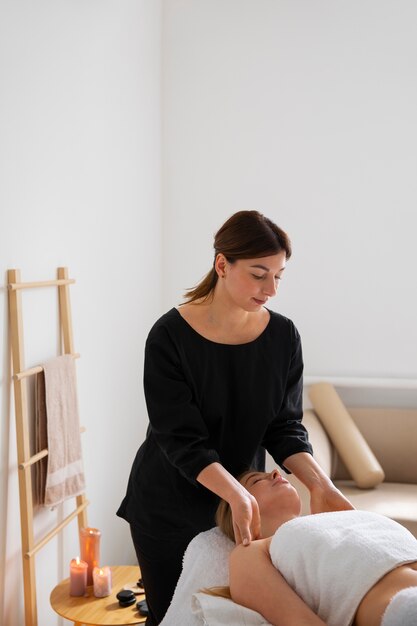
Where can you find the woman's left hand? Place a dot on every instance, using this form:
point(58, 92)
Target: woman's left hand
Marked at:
point(324, 499)
point(324, 496)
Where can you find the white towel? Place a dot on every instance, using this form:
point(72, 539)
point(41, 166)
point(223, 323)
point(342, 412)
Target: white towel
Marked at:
point(58, 429)
point(217, 611)
point(332, 559)
point(402, 610)
point(205, 564)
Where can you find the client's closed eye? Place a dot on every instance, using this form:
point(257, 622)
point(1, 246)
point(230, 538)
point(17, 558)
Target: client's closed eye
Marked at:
point(258, 479)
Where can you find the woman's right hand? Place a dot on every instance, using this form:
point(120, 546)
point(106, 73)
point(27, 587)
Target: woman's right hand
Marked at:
point(246, 517)
point(244, 508)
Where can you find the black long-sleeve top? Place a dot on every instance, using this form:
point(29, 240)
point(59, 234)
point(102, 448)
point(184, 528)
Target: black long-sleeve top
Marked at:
point(211, 402)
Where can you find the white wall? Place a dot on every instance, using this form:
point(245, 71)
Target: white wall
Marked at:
point(302, 109)
point(80, 187)
point(306, 111)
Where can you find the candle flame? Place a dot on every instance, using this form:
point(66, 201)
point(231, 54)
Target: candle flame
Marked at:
point(77, 560)
point(101, 572)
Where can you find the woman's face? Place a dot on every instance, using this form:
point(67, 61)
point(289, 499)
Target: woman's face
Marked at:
point(250, 283)
point(272, 491)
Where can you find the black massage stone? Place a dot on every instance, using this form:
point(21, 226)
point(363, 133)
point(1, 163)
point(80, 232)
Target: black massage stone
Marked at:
point(126, 598)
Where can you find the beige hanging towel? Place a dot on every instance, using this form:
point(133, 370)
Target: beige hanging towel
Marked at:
point(58, 429)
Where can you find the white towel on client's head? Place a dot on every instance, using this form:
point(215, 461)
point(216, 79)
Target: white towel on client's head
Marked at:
point(205, 564)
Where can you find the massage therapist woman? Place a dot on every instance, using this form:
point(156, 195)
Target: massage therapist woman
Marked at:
point(223, 382)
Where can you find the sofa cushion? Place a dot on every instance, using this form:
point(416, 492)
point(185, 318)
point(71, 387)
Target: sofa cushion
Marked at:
point(395, 500)
point(392, 435)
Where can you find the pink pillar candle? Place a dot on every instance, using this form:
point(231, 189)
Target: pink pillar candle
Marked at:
point(102, 581)
point(78, 577)
point(90, 550)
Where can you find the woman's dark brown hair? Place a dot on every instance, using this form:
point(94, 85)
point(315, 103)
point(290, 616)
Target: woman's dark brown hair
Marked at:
point(245, 235)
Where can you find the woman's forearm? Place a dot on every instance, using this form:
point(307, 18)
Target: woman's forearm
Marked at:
point(324, 496)
point(307, 470)
point(216, 478)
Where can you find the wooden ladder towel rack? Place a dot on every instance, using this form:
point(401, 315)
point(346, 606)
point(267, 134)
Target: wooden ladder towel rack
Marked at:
point(24, 457)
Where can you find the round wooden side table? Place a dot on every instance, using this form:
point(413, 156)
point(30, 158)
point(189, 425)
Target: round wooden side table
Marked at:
point(89, 610)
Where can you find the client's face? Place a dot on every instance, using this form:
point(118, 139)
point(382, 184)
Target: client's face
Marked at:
point(272, 491)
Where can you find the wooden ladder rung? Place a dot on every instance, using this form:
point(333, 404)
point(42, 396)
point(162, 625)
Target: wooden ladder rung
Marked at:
point(56, 530)
point(33, 459)
point(39, 455)
point(42, 283)
point(36, 370)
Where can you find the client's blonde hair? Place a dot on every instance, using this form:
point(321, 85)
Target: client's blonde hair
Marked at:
point(224, 521)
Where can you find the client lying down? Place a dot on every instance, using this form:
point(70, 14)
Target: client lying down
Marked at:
point(341, 568)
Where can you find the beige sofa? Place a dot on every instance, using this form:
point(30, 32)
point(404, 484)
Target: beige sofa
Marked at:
point(392, 437)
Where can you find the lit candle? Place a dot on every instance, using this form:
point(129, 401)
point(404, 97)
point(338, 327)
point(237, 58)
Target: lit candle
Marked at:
point(78, 577)
point(90, 550)
point(102, 581)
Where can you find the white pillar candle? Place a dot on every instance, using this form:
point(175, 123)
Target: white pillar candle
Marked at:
point(102, 581)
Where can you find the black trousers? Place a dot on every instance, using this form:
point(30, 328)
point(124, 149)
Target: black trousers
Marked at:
point(160, 561)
